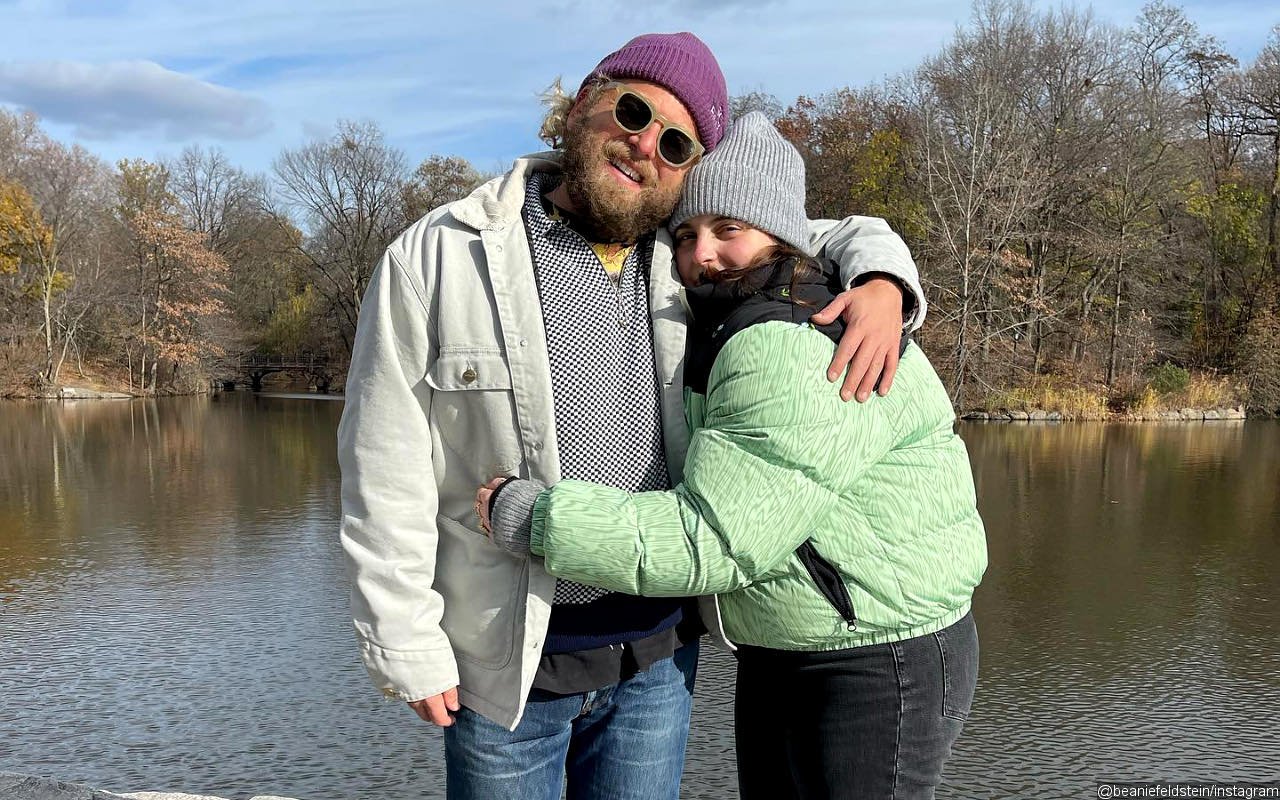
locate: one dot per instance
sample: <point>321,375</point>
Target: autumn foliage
<point>1092,207</point>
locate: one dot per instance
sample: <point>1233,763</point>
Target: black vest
<point>765,294</point>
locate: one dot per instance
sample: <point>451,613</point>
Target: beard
<point>612,212</point>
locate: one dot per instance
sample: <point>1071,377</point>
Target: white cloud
<point>105,101</point>
<point>449,77</point>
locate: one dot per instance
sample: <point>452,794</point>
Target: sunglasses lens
<point>632,113</point>
<point>676,147</point>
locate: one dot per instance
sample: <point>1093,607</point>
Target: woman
<point>842,539</point>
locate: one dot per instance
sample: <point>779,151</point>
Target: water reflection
<point>174,606</point>
<point>1129,620</point>
<point>173,609</point>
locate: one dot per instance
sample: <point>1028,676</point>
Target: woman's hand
<point>869,346</point>
<point>484,496</point>
<point>508,519</point>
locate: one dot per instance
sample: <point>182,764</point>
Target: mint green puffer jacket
<point>821,524</point>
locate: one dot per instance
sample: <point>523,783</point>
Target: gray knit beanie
<point>754,175</point>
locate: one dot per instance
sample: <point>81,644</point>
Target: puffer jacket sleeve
<point>778,449</point>
<point>389,502</point>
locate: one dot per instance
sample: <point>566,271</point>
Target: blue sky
<point>144,78</point>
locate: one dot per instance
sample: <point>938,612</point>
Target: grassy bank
<point>16,383</point>
<point>1170,393</point>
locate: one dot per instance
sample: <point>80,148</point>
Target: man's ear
<point>579,103</point>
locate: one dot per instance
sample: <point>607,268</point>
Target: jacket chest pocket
<point>473,407</point>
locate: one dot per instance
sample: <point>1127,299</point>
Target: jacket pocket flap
<point>469,370</point>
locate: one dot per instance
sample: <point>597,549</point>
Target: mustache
<point>619,151</point>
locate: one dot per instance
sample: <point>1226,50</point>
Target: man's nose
<point>646,141</point>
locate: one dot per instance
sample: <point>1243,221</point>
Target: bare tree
<point>755,100</point>
<point>976,171</point>
<point>18,132</point>
<point>1074,60</point>
<point>214,196</point>
<point>1260,92</point>
<point>72,188</point>
<point>436,181</point>
<point>347,189</point>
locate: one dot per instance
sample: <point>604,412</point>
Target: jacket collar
<point>497,204</point>
<point>710,303</point>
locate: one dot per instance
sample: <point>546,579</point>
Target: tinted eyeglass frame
<point>695,147</point>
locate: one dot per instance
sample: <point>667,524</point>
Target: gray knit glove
<point>511,515</point>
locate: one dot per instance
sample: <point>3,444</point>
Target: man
<point>535,328</point>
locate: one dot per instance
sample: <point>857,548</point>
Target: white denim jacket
<point>449,386</point>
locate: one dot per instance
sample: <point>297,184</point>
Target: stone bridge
<point>251,368</point>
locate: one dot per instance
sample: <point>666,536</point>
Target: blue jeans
<point>867,723</point>
<point>623,742</point>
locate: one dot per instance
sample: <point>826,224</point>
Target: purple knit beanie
<point>684,66</point>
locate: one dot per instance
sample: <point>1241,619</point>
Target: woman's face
<point>708,244</point>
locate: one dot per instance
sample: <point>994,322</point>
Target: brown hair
<point>752,276</point>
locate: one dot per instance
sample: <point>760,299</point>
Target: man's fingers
<point>849,345</point>
<point>890,370</point>
<point>437,712</point>
<point>828,315</point>
<point>874,370</point>
<point>435,709</point>
<point>855,380</point>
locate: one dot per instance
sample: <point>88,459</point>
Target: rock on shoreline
<point>29,787</point>
<point>1039,415</point>
<point>74,393</point>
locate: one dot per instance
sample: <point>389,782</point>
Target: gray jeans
<point>872,723</point>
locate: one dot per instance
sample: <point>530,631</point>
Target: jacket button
<point>524,342</point>
<point>468,375</point>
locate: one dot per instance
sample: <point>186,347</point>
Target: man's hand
<point>438,709</point>
<point>869,347</point>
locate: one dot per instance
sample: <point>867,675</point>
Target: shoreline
<point>1211,414</point>
<point>1186,414</point>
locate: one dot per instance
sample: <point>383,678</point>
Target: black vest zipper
<point>827,579</point>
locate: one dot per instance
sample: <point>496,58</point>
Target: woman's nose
<point>703,253</point>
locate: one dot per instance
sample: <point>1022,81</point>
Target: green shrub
<point>1169,379</point>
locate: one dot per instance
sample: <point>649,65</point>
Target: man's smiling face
<point>617,181</point>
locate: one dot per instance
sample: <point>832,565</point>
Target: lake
<point>173,609</point>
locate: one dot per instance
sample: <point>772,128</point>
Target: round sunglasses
<point>676,146</point>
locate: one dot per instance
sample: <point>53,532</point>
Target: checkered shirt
<point>604,383</point>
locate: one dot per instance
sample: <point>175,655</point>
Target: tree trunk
<point>142,351</point>
<point>1272,256</point>
<point>1115,317</point>
<point>961,339</point>
<point>50,376</point>
<point>1077,346</point>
